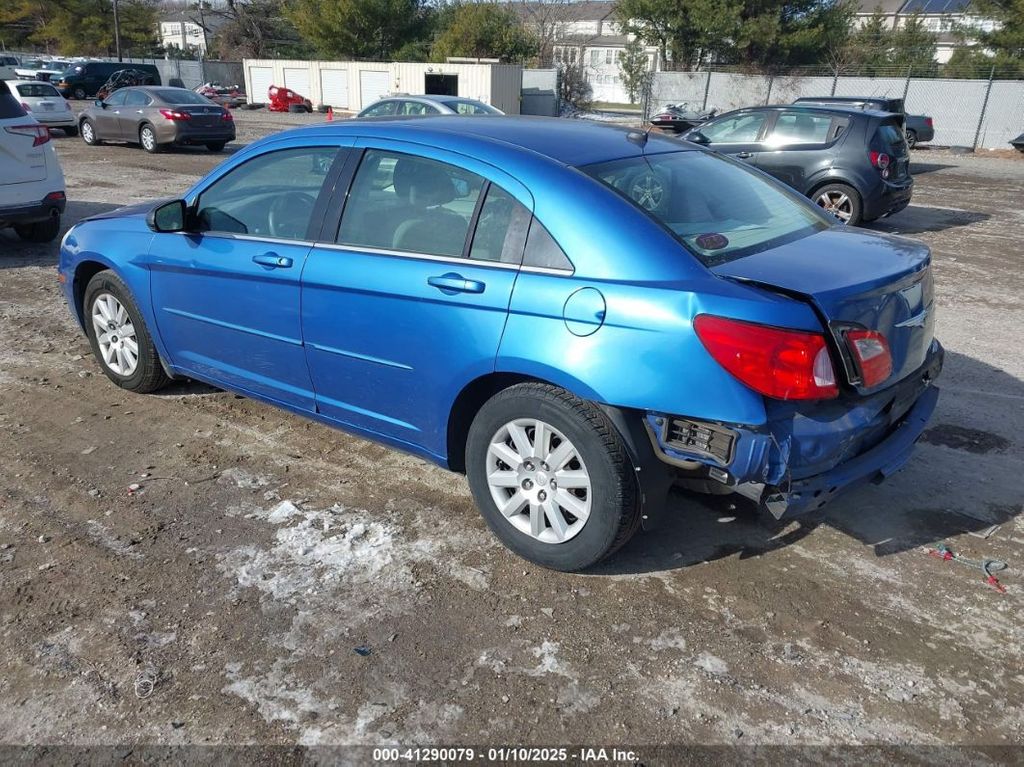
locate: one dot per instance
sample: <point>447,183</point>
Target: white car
<point>32,196</point>
<point>44,102</point>
<point>41,69</point>
<point>7,67</point>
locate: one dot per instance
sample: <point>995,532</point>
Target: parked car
<point>679,118</point>
<point>124,78</point>
<point>230,96</point>
<point>918,128</point>
<point>156,118</point>
<point>853,163</point>
<point>44,102</point>
<point>1018,143</point>
<point>83,79</point>
<point>402,104</point>
<point>32,196</point>
<point>287,100</point>
<point>575,315</point>
<point>41,69</point>
<point>8,67</point>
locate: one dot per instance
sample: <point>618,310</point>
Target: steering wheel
<point>289,215</point>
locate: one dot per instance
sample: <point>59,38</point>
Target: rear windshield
<point>175,96</point>
<point>891,136</point>
<point>36,90</point>
<point>9,106</point>
<point>717,208</point>
<point>471,107</point>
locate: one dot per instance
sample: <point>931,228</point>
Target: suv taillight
<point>871,351</point>
<point>776,362</point>
<point>40,133</point>
<point>880,160</point>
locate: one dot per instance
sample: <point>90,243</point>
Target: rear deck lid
<point>855,280</point>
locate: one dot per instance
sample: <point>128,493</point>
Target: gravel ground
<point>260,550</point>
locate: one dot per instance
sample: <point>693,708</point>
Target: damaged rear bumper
<point>802,458</point>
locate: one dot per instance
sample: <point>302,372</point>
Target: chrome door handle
<point>272,260</point>
<point>743,155</point>
<point>452,283</point>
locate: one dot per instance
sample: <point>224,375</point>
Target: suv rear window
<point>715,207</point>
<point>9,106</point>
<point>891,136</point>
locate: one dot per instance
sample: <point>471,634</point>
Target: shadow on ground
<point>16,253</point>
<point>921,218</point>
<point>698,528</point>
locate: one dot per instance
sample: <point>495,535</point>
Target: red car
<point>287,100</point>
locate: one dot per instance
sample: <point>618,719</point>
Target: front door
<point>737,135</point>
<point>410,302</point>
<point>107,120</point>
<point>226,295</point>
<point>133,113</point>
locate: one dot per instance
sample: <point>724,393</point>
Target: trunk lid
<point>203,116</point>
<point>854,279</point>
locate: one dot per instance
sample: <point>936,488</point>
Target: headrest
<point>422,183</point>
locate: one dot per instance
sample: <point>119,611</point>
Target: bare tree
<point>546,19</point>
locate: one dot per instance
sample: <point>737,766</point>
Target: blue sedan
<point>575,316</point>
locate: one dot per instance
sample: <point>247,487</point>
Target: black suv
<point>852,162</point>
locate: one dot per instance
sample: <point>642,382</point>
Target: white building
<point>943,17</point>
<point>186,30</point>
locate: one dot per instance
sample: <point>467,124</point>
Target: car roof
<point>850,99</point>
<point>569,142</point>
<point>832,109</point>
<point>428,97</point>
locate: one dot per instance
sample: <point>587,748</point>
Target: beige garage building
<point>353,85</point>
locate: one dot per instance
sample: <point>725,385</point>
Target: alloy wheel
<point>837,203</point>
<point>148,139</point>
<point>88,135</point>
<point>115,335</point>
<point>648,191</point>
<point>538,480</point>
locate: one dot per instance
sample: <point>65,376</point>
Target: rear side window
<point>542,251</point>
<point>501,228</point>
<point>800,128</point>
<point>9,106</point>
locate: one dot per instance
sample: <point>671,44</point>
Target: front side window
<point>116,99</point>
<point>403,202</point>
<point>717,208</point>
<point>800,128</point>
<point>272,195</point>
<point>136,99</point>
<point>738,129</point>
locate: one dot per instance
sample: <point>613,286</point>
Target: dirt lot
<point>261,550</point>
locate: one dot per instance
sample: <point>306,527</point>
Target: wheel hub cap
<point>115,335</point>
<point>538,480</point>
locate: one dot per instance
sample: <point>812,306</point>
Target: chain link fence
<point>979,113</point>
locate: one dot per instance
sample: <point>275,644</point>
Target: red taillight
<point>26,107</point>
<point>928,122</point>
<point>880,160</point>
<point>871,351</point>
<point>55,196</point>
<point>227,116</point>
<point>40,133</point>
<point>174,114</point>
<point>778,363</point>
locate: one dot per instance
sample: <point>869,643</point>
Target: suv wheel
<point>841,201</point>
<point>88,131</point>
<point>552,477</point>
<point>79,93</point>
<point>40,231</point>
<point>119,337</point>
<point>911,139</point>
<point>147,137</point>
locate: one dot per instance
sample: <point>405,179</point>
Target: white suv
<point>32,184</point>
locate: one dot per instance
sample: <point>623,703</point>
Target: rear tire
<point>911,139</point>
<point>89,133</point>
<point>216,146</point>
<point>40,231</point>
<point>590,473</point>
<point>147,138</point>
<point>842,201</point>
<point>125,351</point>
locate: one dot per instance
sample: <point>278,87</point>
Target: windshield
<point>717,208</point>
<point>182,96</point>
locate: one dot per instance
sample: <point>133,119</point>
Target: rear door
<point>738,135</point>
<point>406,304</point>
<point>797,146</point>
<point>226,295</point>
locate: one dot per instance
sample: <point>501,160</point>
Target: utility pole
<point>117,32</point>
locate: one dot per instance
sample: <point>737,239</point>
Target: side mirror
<point>169,217</point>
<point>697,137</point>
<point>100,103</point>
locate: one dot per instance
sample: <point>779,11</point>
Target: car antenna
<point>638,137</point>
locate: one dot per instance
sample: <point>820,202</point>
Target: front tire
<point>89,133</point>
<point>551,477</point>
<point>841,201</point>
<point>147,138</point>
<point>40,231</point>
<point>79,94</point>
<point>119,337</point>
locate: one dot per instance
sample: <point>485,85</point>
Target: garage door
<point>298,80</point>
<point>334,86</point>
<point>260,80</point>
<point>373,86</point>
